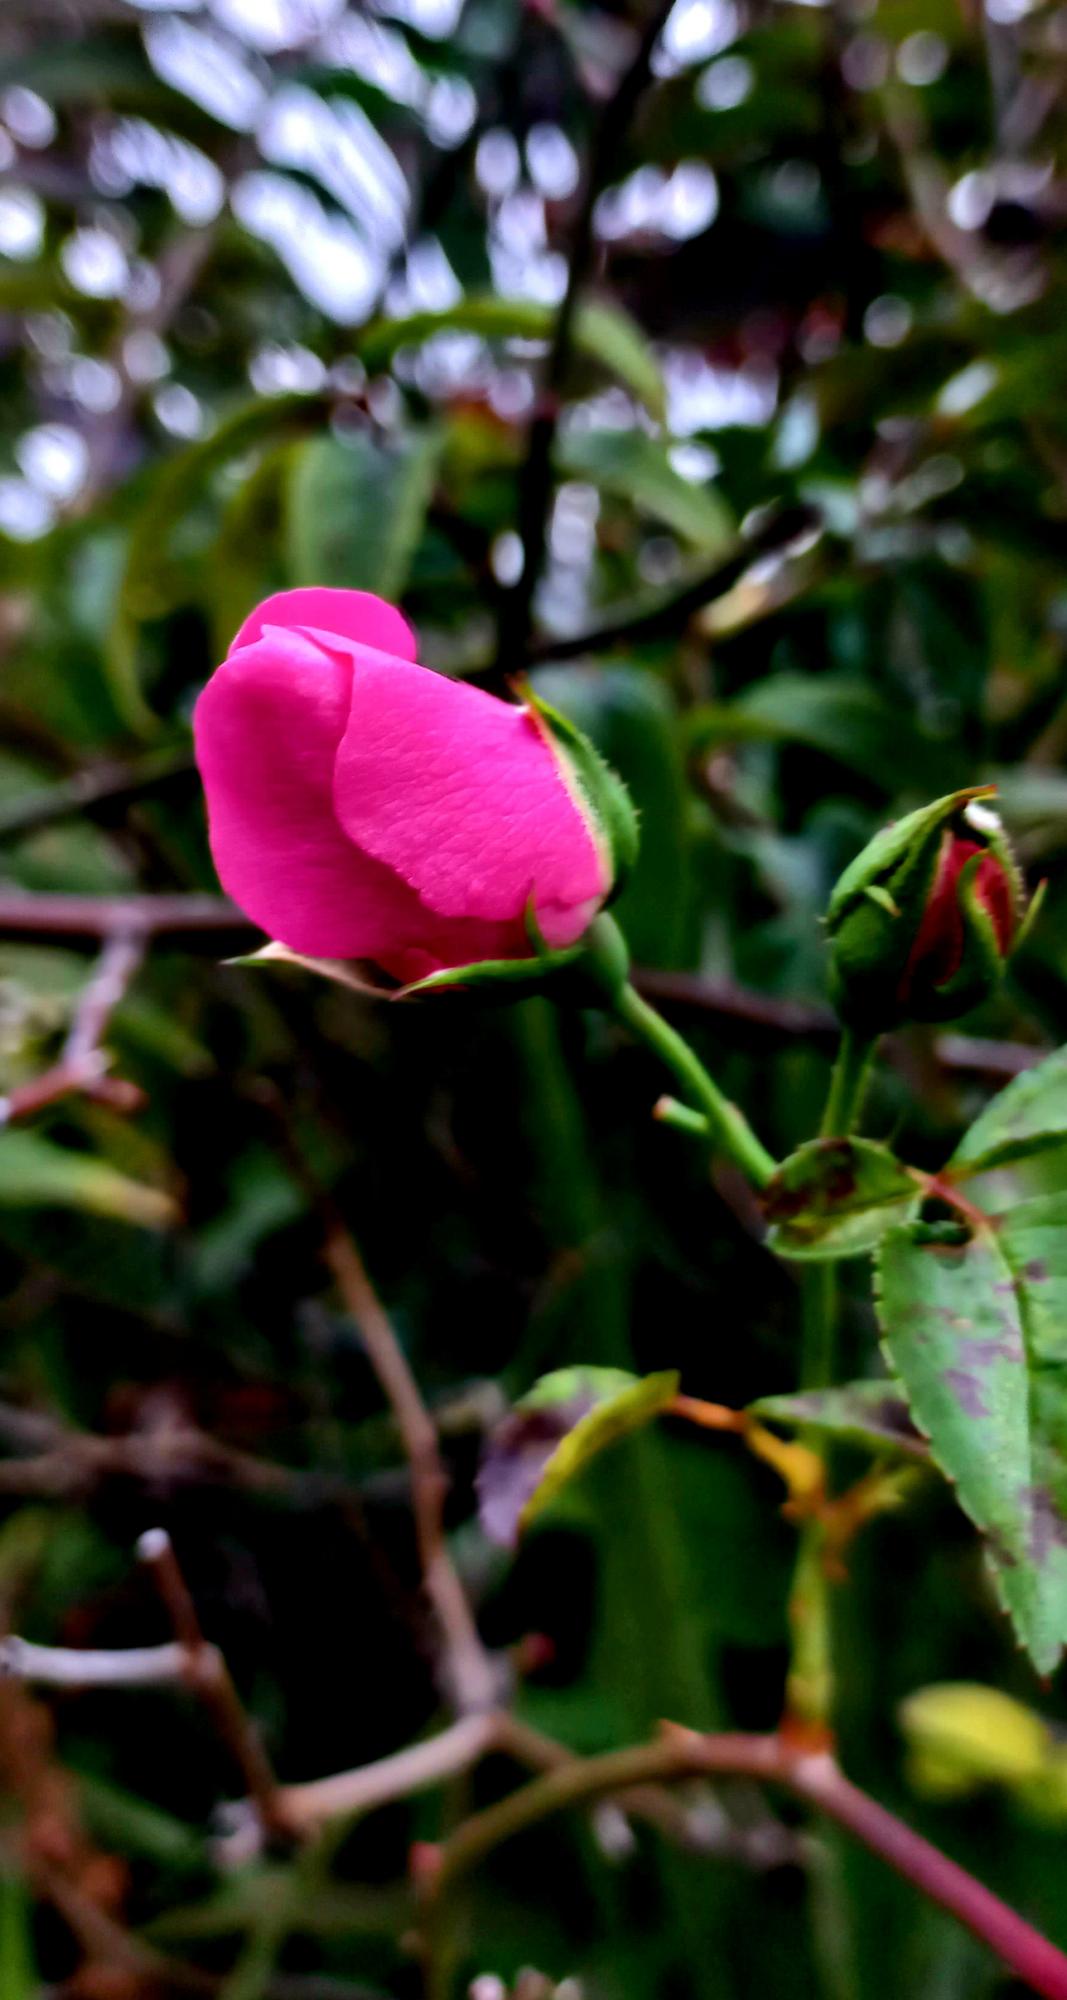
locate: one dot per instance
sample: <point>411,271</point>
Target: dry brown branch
<point>82,1065</point>
<point>212,924</point>
<point>472,1679</point>
<point>72,1464</point>
<point>208,1676</point>
<point>73,1667</point>
<point>414,1769</point>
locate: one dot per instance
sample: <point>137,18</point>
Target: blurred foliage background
<point>278,281</point>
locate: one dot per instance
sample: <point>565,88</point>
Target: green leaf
<point>836,1198</point>
<point>36,1173</point>
<point>356,511</point>
<point>552,1434</point>
<point>841,717</point>
<point>874,1414</point>
<point>962,1736</point>
<point>1029,1114</point>
<point>975,1326</point>
<point>603,333</point>
<point>637,468</point>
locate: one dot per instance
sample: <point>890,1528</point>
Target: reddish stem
<point>1031,1956</point>
<point>812,1775</point>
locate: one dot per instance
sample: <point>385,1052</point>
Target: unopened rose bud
<point>361,807</point>
<point>923,922</point>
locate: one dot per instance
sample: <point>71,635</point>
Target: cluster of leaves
<point>866,333</point>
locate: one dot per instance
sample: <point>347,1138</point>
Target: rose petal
<point>353,614</point>
<point>267,727</point>
<point>461,795</point>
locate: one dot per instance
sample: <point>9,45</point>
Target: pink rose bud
<point>360,806</point>
<point>937,953</point>
<point>923,922</point>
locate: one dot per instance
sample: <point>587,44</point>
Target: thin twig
<point>667,612</point>
<point>765,1018</point>
<point>811,1776</point>
<point>535,485</point>
<point>215,925</point>
<point>471,1676</point>
<point>71,1667</point>
<point>107,784</point>
<point>74,1463</point>
<point>308,1807</point>
<point>83,1061</point>
<point>703,1828</point>
<point>414,1769</point>
<point>183,919</point>
<point>209,1677</point>
<point>980,269</point>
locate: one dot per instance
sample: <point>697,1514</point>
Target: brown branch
<point>187,920</point>
<point>811,1776</point>
<point>472,1678</point>
<point>702,1829</point>
<point>208,1676</point>
<point>215,925</point>
<point>668,612</point>
<point>765,1019</point>
<point>344,1793</point>
<point>459,1748</point>
<point>73,1463</point>
<point>535,484</point>
<point>978,267</point>
<point>73,1667</point>
<point>106,784</point>
<point>83,1061</point>
<point>769,1017</point>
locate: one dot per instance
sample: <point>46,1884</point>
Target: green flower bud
<point>923,921</point>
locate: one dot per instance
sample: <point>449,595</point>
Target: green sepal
<point>357,974</point>
<point>894,845</point>
<point>601,791</point>
<point>514,978</point>
<point>511,978</point>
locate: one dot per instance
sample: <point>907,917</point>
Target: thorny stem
<point>814,1778</point>
<point>727,1126</point>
